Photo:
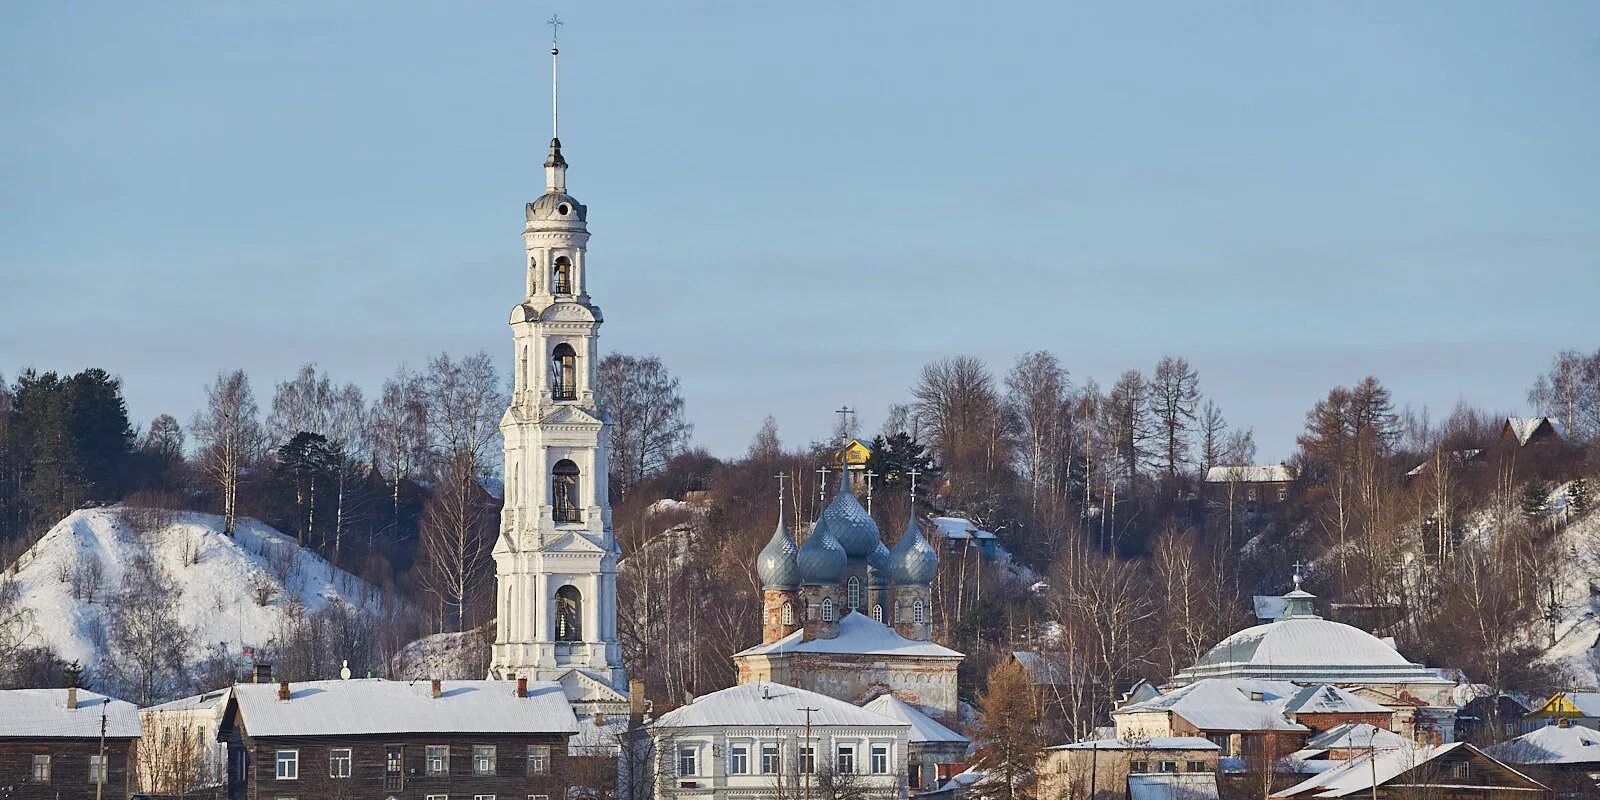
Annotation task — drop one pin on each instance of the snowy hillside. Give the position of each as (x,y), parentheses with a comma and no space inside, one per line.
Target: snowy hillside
(233,591)
(447,656)
(1577,596)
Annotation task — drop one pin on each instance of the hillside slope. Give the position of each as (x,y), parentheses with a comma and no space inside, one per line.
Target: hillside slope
(233,591)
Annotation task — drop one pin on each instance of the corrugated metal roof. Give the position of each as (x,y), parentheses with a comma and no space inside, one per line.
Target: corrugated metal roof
(1226,705)
(43,714)
(1355,735)
(1327,699)
(923,727)
(769,705)
(1307,648)
(1173,786)
(1152,743)
(374,706)
(859,634)
(1257,473)
(1355,776)
(1551,744)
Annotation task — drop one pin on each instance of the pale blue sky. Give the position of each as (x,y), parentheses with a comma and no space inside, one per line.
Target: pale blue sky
(796,205)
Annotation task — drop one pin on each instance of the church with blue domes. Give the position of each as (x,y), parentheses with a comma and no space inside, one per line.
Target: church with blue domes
(848,616)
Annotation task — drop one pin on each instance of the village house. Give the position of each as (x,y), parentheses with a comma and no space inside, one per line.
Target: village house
(1114,769)
(936,752)
(769,740)
(179,750)
(1563,756)
(51,744)
(1343,742)
(1577,708)
(1532,431)
(1244,718)
(1251,488)
(1454,771)
(1492,718)
(1324,707)
(376,738)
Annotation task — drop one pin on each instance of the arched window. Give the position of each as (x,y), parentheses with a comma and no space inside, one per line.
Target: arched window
(877,612)
(569,614)
(564,372)
(533,271)
(564,491)
(561,276)
(827,609)
(787,615)
(918,615)
(853,594)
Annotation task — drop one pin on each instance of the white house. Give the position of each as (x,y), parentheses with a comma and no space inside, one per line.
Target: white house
(767,739)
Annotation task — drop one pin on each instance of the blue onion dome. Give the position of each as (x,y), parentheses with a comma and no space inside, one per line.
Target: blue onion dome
(912,560)
(776,563)
(821,559)
(878,566)
(851,524)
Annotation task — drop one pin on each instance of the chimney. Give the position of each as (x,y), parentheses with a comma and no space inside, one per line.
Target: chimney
(72,697)
(522,687)
(283,690)
(261,672)
(636,698)
(438,688)
(1563,722)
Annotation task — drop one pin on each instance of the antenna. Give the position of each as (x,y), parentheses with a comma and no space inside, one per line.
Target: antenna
(555,24)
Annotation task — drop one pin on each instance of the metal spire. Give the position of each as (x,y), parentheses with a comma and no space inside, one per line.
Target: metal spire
(555,24)
(781,478)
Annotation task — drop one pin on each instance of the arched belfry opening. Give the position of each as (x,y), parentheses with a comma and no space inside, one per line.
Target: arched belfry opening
(564,372)
(564,492)
(569,614)
(561,276)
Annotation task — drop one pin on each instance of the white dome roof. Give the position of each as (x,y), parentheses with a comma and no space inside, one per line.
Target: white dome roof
(1307,648)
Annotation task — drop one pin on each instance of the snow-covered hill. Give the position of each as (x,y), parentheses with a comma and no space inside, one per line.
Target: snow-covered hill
(233,591)
(447,656)
(1577,601)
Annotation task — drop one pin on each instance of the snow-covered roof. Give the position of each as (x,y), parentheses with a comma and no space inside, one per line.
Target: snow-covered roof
(1256,473)
(43,714)
(1355,735)
(1046,668)
(1326,699)
(1308,648)
(1588,703)
(199,702)
(1152,743)
(1551,744)
(1173,786)
(955,527)
(923,727)
(1225,705)
(1356,776)
(377,706)
(859,634)
(1525,427)
(1269,606)
(766,704)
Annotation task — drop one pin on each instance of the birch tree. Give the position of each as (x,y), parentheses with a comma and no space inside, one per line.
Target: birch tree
(230,437)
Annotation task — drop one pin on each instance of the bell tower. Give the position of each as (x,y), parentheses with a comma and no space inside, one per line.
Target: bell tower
(555,559)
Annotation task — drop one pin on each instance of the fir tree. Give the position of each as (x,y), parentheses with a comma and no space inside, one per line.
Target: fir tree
(1534,496)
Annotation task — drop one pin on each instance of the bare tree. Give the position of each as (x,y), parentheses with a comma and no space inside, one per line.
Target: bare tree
(765,446)
(147,645)
(397,431)
(1174,397)
(1036,395)
(957,403)
(456,540)
(465,401)
(648,424)
(230,437)
(171,760)
(1213,437)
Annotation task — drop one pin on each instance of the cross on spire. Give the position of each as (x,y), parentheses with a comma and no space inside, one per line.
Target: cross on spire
(913,473)
(555,24)
(1297,567)
(781,478)
(822,484)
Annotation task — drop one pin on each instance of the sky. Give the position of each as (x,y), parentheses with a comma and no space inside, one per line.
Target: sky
(798,205)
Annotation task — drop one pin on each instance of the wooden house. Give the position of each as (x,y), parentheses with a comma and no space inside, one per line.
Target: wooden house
(51,745)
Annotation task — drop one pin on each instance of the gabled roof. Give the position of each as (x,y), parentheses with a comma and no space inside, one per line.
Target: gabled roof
(1173,786)
(209,700)
(1587,703)
(1256,473)
(923,727)
(376,706)
(766,705)
(1356,735)
(43,714)
(858,634)
(1225,705)
(1551,744)
(1327,699)
(1152,743)
(1524,428)
(1356,776)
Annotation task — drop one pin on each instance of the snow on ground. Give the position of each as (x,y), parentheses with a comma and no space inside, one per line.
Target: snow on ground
(1577,588)
(446,656)
(220,579)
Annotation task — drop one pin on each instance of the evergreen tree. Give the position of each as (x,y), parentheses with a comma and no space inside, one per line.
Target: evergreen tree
(1007,734)
(897,454)
(1578,495)
(1534,497)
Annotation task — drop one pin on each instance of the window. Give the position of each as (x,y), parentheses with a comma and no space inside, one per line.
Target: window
(771,758)
(538,797)
(688,762)
(97,769)
(41,768)
(1460,770)
(436,759)
(569,614)
(437,797)
(808,760)
(827,609)
(1139,766)
(483,797)
(877,612)
(853,593)
(844,759)
(339,762)
(564,491)
(561,276)
(880,759)
(1166,766)
(288,765)
(538,759)
(739,759)
(1197,766)
(918,613)
(394,776)
(564,372)
(483,759)
(788,614)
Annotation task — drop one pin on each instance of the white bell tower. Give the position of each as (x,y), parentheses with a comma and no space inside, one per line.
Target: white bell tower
(556,560)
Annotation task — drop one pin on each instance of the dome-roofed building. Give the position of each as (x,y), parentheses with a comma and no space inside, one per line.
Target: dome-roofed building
(1303,647)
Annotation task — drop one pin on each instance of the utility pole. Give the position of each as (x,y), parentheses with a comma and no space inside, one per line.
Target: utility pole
(100,779)
(809,751)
